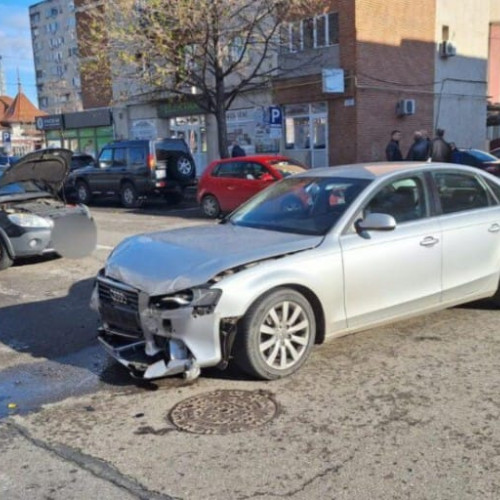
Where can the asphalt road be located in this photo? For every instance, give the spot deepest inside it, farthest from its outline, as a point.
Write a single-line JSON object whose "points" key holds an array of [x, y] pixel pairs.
{"points": [[405, 411]]}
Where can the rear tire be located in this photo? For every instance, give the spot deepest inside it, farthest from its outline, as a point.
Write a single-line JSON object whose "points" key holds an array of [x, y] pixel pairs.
{"points": [[83, 193], [210, 206], [5, 260], [128, 196], [276, 335]]}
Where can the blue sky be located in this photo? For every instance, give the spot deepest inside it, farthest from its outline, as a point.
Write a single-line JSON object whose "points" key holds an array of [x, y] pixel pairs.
{"points": [[15, 47]]}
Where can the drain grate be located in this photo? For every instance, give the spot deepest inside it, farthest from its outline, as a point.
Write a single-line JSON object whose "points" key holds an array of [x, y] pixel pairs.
{"points": [[224, 412]]}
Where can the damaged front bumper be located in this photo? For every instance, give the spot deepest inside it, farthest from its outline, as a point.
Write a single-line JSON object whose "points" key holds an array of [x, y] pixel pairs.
{"points": [[152, 342]]}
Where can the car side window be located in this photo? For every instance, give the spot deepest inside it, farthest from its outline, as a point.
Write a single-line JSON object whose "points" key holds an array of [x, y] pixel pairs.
{"points": [[137, 156], [458, 192], [120, 157], [229, 170], [252, 170], [404, 199], [495, 188], [105, 158]]}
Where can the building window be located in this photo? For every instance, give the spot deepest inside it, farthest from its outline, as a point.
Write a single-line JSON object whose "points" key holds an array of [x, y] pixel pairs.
{"points": [[310, 33], [35, 17], [305, 126]]}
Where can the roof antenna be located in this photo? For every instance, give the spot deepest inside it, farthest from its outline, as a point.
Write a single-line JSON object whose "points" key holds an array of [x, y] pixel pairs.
{"points": [[18, 82]]}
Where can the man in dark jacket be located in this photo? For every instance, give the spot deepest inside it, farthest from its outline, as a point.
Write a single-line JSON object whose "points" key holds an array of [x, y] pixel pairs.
{"points": [[392, 151], [237, 150], [419, 150], [441, 150]]}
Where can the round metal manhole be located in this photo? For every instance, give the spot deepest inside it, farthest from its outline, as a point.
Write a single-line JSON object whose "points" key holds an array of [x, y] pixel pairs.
{"points": [[224, 412]]}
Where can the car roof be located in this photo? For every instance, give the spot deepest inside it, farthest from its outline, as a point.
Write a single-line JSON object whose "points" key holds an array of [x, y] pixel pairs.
{"points": [[264, 158], [375, 170]]}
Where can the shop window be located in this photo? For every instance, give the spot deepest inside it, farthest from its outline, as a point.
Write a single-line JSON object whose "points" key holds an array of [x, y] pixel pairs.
{"points": [[306, 126]]}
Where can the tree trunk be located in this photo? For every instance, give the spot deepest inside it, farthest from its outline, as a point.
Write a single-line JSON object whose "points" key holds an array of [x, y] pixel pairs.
{"points": [[220, 116]]}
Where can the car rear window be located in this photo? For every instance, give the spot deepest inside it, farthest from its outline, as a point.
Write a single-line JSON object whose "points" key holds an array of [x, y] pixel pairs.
{"points": [[165, 147]]}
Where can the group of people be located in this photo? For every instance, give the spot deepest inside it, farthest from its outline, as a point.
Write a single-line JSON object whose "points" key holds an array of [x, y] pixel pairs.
{"points": [[422, 148]]}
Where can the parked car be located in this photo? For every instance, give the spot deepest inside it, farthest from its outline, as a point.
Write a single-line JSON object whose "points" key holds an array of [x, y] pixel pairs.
{"points": [[6, 160], [495, 152], [33, 220], [134, 170], [477, 158], [316, 255], [226, 184]]}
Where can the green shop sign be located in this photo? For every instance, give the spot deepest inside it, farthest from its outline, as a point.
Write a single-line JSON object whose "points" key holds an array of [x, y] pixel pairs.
{"points": [[171, 109]]}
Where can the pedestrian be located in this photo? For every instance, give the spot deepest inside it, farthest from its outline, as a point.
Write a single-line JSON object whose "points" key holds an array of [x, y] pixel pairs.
{"points": [[392, 150], [419, 150], [440, 149], [237, 150]]}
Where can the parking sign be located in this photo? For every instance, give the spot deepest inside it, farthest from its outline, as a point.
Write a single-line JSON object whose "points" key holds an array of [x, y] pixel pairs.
{"points": [[275, 115], [6, 137]]}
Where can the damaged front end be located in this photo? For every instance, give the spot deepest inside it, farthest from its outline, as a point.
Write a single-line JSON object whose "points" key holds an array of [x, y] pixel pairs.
{"points": [[158, 336]]}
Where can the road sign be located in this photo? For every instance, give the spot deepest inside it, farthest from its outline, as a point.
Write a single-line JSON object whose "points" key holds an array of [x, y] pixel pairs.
{"points": [[6, 137], [275, 115]]}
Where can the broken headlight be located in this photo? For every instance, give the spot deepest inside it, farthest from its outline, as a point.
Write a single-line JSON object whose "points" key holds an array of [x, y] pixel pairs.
{"points": [[194, 297]]}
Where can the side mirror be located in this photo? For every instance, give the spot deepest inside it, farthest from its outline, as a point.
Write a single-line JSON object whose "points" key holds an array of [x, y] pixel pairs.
{"points": [[376, 222], [267, 177]]}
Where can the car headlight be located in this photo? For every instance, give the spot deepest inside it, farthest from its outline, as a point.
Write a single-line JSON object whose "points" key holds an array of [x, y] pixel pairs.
{"points": [[194, 297], [30, 220]]}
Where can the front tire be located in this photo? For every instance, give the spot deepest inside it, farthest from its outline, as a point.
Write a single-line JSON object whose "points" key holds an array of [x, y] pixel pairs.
{"points": [[5, 260], [276, 335]]}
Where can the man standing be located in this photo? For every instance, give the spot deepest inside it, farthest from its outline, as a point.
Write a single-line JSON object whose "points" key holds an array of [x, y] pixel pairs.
{"points": [[392, 151], [440, 150], [419, 150]]}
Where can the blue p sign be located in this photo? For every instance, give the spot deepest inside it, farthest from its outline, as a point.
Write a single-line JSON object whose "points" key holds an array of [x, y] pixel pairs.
{"points": [[275, 116], [5, 136]]}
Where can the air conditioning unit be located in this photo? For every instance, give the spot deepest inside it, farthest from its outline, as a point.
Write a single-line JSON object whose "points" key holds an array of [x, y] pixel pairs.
{"points": [[447, 49], [405, 107]]}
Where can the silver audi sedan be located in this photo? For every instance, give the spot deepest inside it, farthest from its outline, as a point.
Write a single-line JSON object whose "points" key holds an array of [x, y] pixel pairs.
{"points": [[317, 255]]}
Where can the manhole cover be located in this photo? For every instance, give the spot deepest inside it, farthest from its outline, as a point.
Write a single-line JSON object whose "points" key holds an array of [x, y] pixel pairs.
{"points": [[223, 412]]}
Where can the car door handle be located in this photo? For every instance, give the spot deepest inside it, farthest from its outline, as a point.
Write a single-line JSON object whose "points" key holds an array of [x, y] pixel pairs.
{"points": [[429, 241], [494, 228]]}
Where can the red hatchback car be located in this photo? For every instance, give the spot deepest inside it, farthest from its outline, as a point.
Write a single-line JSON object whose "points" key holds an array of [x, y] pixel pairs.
{"points": [[226, 184]]}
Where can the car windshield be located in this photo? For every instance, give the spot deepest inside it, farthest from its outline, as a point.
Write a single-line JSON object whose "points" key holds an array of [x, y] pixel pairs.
{"points": [[287, 167], [303, 205], [482, 155]]}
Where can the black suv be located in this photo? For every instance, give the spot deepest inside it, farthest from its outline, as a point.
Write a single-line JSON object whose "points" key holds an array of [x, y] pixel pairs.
{"points": [[135, 170]]}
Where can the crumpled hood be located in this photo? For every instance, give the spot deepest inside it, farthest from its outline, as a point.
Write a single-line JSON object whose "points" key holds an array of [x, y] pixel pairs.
{"points": [[46, 166], [168, 261]]}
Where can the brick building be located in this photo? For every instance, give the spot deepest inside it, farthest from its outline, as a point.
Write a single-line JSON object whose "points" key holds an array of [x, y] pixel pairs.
{"points": [[406, 65]]}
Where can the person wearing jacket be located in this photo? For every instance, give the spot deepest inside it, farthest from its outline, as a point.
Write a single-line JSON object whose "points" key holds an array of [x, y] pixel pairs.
{"points": [[392, 151], [420, 149], [440, 149]]}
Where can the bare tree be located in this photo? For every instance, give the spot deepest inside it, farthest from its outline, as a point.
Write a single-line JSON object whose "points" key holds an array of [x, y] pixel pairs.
{"points": [[207, 51]]}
